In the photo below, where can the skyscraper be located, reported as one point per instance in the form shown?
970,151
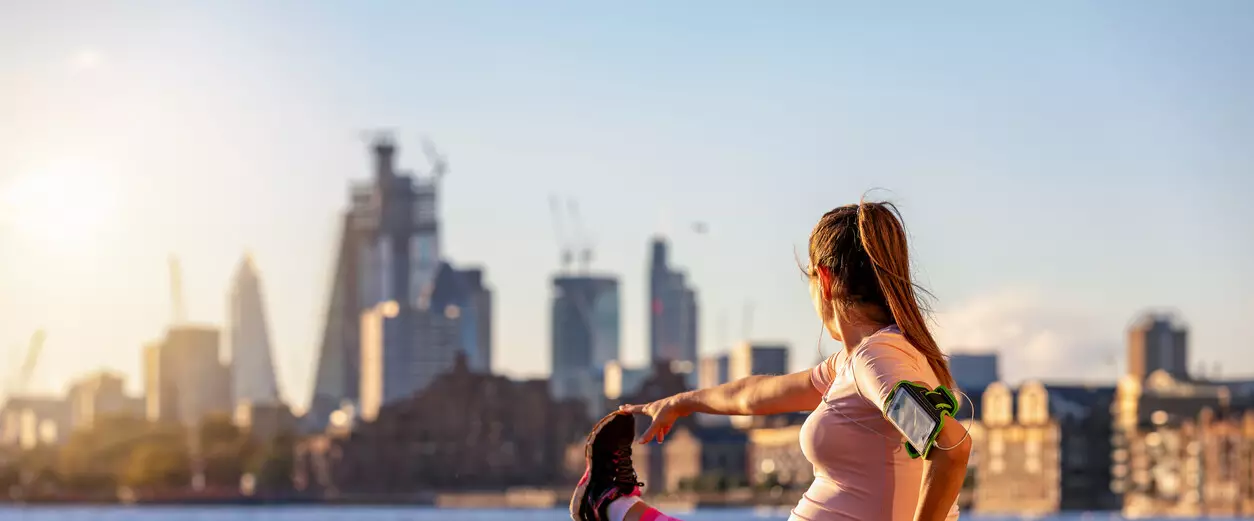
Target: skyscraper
252,366
673,312
974,371
389,251
1158,341
585,337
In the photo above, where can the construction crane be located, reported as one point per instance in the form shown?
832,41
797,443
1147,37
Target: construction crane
439,163
583,242
18,383
176,292
563,243
572,240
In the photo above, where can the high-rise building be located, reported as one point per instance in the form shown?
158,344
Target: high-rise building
714,370
673,312
749,358
585,337
252,366
101,394
404,348
1158,341
389,251
973,372
184,380
474,301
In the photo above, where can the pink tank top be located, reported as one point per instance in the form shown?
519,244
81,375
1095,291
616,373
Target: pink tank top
861,469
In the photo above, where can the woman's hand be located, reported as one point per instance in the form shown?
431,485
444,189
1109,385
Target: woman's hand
663,413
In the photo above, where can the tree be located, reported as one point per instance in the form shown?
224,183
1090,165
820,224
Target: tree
276,464
224,449
158,465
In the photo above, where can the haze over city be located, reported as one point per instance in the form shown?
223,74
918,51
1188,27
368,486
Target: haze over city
1061,167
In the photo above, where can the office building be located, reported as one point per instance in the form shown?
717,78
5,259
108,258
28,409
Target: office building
585,337
184,379
621,380
404,348
252,365
389,251
750,358
714,371
100,395
1158,341
973,372
673,312
474,301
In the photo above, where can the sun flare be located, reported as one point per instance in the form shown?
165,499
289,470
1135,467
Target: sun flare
66,207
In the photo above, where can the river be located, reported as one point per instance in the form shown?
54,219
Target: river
322,513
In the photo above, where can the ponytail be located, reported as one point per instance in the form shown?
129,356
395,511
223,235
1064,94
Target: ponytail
884,240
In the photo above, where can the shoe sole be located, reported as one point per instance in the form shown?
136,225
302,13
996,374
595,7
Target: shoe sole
577,500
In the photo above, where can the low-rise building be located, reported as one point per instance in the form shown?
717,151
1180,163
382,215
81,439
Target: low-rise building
775,458
466,430
697,458
1043,449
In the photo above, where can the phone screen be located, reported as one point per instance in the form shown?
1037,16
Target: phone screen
911,419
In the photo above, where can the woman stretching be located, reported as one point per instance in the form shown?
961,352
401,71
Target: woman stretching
859,274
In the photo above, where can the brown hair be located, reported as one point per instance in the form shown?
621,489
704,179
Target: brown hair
864,246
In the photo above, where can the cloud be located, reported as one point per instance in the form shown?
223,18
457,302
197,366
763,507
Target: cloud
1034,336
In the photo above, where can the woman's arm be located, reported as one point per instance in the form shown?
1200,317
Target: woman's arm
754,395
747,396
943,472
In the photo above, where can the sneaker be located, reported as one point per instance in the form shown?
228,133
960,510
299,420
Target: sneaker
609,474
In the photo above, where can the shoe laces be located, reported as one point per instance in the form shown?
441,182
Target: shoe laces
624,472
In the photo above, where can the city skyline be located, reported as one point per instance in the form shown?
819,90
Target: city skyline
1035,196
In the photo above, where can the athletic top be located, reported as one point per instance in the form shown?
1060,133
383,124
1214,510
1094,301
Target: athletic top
861,470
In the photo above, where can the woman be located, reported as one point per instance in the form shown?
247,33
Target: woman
859,275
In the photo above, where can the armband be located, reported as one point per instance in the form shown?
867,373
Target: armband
919,413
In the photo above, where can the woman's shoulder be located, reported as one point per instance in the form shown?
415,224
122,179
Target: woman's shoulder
886,344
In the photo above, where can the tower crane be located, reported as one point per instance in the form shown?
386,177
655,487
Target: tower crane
18,383
563,242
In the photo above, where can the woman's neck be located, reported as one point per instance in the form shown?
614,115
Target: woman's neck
853,333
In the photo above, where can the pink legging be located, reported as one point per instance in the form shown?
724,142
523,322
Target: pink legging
652,514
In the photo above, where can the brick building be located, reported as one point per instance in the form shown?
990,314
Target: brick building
1202,467
696,458
465,431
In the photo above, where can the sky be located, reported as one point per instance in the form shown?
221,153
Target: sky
1061,166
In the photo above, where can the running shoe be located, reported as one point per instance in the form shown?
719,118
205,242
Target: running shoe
609,474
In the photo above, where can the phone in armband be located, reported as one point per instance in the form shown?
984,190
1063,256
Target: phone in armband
919,413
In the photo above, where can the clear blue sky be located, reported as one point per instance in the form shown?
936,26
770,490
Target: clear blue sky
1061,165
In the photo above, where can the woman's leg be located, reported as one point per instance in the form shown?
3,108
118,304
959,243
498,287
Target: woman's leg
633,509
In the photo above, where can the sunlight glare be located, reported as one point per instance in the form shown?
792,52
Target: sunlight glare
66,207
